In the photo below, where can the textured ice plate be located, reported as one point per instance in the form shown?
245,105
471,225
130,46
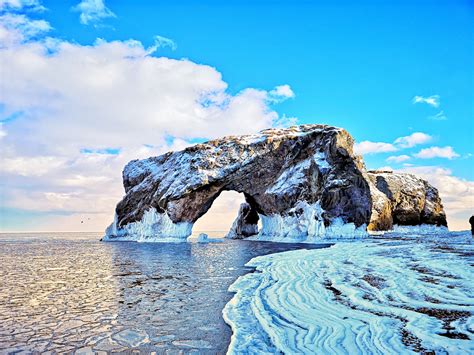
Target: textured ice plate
382,296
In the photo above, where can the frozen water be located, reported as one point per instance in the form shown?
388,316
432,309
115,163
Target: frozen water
400,295
69,292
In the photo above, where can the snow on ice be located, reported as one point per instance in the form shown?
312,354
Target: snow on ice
383,296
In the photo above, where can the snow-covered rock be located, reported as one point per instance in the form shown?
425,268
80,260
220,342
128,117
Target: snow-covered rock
403,200
303,182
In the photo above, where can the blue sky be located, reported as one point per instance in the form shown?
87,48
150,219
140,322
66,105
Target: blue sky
354,65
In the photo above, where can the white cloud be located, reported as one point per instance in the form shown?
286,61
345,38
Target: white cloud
457,194
16,5
3,133
96,94
367,147
437,152
30,166
282,92
398,158
93,11
413,140
15,29
440,116
105,95
432,100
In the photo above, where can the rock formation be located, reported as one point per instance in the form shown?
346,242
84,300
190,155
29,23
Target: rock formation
302,182
405,200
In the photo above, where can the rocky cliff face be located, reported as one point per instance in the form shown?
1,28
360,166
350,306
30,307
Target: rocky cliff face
302,182
406,200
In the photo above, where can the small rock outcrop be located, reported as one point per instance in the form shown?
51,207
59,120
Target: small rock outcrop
302,182
405,200
246,223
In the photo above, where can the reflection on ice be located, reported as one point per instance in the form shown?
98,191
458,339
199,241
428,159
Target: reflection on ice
69,293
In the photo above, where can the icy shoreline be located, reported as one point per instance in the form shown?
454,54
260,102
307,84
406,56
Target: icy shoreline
153,227
379,296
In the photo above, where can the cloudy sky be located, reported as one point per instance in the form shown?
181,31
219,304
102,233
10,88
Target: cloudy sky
86,86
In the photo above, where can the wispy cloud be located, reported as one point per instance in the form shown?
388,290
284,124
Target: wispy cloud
413,140
398,158
17,28
92,11
161,42
437,152
440,116
3,133
432,100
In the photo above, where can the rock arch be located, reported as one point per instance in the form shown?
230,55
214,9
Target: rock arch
304,181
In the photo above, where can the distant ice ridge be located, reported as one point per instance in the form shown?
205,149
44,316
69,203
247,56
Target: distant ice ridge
153,227
305,224
377,297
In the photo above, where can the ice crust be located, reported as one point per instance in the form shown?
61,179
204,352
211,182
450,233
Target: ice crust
153,227
372,296
305,224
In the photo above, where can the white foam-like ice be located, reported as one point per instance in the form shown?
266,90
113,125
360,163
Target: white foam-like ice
305,223
153,227
372,296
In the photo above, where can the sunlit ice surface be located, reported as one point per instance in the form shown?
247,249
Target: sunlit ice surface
64,292
403,293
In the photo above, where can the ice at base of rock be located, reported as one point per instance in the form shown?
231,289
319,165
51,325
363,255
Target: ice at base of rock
153,227
305,223
203,238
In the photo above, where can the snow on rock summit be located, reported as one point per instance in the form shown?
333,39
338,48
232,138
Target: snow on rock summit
303,183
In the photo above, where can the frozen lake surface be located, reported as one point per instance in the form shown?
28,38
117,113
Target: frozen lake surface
65,292
400,294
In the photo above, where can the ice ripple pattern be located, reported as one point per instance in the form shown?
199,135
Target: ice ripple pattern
378,297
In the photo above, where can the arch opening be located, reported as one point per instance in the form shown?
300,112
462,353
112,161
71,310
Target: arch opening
220,217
